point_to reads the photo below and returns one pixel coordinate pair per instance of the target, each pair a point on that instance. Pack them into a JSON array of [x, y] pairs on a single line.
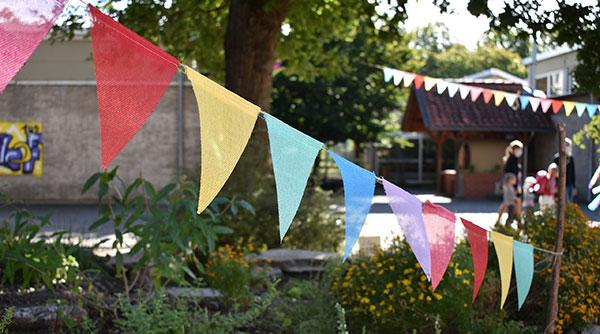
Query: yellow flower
[[421, 295], [437, 296], [407, 271], [411, 300], [457, 272], [372, 308], [389, 286]]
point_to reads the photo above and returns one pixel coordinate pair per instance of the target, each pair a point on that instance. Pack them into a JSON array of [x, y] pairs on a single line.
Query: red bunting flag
[[479, 251], [132, 75], [475, 92], [556, 105], [487, 95], [419, 79], [439, 225], [23, 25], [546, 103]]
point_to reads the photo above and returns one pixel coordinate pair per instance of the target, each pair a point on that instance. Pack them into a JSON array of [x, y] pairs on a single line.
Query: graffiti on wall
[[21, 148]]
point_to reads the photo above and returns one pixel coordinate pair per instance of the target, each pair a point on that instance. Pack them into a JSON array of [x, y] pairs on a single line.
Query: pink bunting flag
[[546, 103], [419, 79], [479, 251], [23, 25], [439, 226], [556, 105], [487, 95], [475, 92], [132, 76]]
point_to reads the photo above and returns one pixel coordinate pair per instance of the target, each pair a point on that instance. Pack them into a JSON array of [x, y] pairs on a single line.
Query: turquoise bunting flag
[[359, 187], [523, 258], [293, 154]]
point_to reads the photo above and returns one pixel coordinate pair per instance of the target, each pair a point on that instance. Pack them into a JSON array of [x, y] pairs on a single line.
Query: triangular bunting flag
[[408, 78], [535, 103], [498, 97], [546, 103], [397, 76], [523, 269], [407, 209], [418, 80], [464, 91], [359, 187], [439, 226], [523, 102], [568, 105], [479, 251], [556, 105], [591, 109], [475, 92], [23, 25], [593, 205], [226, 123], [429, 82], [132, 75], [388, 73], [510, 99], [580, 107], [452, 89], [441, 86], [487, 95], [504, 250], [293, 154]]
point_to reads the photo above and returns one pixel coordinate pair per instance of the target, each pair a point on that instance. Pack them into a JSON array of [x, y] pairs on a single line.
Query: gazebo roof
[[428, 110]]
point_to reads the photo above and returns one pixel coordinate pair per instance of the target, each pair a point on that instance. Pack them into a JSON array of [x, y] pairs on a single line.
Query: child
[[509, 195], [529, 196], [545, 186]]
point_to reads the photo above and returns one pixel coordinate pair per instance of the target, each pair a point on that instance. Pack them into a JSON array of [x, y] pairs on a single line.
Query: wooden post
[[560, 229]]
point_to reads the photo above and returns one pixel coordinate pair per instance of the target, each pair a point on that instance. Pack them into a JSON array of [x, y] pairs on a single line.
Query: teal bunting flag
[[359, 187], [523, 259], [293, 154], [523, 102], [388, 73], [580, 107], [591, 109]]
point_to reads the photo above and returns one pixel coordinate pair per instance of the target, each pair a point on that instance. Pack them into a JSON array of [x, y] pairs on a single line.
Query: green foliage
[[389, 293], [29, 258], [590, 131], [5, 320], [315, 225], [159, 315], [169, 236]]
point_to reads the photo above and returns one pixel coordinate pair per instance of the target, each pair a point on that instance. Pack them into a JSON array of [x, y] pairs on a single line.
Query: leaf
[[244, 204], [90, 182]]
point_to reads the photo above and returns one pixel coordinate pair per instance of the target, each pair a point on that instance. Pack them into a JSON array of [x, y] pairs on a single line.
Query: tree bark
[[252, 31]]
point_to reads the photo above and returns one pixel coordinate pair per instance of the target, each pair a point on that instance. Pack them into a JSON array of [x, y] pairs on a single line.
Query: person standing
[[570, 179], [512, 165]]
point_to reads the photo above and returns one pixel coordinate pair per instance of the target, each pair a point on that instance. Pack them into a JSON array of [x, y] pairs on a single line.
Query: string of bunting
[[132, 75], [498, 96]]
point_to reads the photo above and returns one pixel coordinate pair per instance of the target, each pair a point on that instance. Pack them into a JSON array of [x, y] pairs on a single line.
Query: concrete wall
[[486, 155], [71, 137]]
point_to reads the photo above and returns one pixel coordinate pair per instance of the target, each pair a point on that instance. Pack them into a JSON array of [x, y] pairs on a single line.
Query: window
[[551, 83]]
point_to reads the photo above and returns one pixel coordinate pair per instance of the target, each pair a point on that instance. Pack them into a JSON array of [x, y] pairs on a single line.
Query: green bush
[[389, 293]]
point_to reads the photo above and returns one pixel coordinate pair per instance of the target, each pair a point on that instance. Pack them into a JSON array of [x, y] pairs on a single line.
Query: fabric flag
[[439, 226], [293, 154], [132, 75], [534, 102], [545, 105], [441, 86], [387, 74], [510, 99], [591, 109], [479, 251], [594, 203], [556, 105], [452, 89], [407, 209], [418, 80], [523, 101], [523, 269], [23, 25], [464, 91], [359, 187], [504, 251], [475, 92], [568, 105], [397, 76], [487, 95], [226, 123], [580, 107], [429, 82], [498, 97], [408, 79]]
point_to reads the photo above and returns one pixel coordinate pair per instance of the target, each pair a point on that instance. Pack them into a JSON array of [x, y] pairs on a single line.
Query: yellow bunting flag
[[498, 97], [504, 250], [568, 105], [226, 123]]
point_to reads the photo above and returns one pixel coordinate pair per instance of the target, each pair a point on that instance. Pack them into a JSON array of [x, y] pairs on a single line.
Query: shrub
[[389, 293]]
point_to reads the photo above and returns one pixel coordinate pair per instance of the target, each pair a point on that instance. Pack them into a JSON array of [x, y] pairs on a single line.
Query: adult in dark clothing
[[512, 165], [570, 180]]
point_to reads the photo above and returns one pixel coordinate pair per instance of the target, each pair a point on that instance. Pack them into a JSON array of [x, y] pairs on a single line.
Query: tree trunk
[[250, 40]]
